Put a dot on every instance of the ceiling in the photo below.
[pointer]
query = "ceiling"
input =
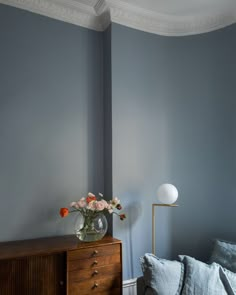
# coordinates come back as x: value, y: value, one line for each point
x: 163, y: 17
x: 183, y: 7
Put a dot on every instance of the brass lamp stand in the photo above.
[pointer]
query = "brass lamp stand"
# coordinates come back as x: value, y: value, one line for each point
x: 153, y: 223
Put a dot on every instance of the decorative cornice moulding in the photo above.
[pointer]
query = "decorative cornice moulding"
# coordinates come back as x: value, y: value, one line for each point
x: 168, y: 25
x: 77, y: 12
x: 98, y: 14
x: 100, y: 7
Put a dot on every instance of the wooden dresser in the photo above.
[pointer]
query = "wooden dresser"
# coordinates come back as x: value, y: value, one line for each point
x: 61, y: 265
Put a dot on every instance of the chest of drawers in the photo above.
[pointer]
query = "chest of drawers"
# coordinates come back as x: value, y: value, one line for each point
x: 94, y: 269
x: 61, y: 265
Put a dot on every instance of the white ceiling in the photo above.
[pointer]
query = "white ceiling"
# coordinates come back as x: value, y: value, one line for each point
x: 163, y: 17
x: 184, y: 7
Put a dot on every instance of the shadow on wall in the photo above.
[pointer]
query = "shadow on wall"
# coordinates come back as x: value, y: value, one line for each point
x: 126, y: 231
x: 136, y: 234
x: 136, y: 231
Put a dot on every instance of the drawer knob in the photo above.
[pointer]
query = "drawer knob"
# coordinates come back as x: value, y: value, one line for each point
x: 95, y: 262
x: 95, y: 252
x: 95, y: 272
x: 95, y: 285
x: 61, y: 283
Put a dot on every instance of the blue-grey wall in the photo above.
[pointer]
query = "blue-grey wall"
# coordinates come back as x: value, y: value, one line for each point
x: 172, y: 116
x: 51, y: 121
x: 121, y: 111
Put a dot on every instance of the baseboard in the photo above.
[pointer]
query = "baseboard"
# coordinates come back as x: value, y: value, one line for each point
x: 129, y: 287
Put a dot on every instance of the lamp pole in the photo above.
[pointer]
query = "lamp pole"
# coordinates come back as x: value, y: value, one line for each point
x: 153, y: 224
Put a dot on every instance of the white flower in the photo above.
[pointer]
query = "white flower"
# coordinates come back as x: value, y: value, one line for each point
x: 114, y: 202
x: 110, y: 208
x: 91, y: 195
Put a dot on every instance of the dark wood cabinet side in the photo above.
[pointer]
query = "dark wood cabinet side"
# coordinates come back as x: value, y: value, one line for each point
x: 33, y: 275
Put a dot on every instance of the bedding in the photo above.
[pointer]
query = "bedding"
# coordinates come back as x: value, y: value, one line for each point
x: 211, y: 279
x: 188, y: 276
x: 224, y: 253
x: 162, y: 276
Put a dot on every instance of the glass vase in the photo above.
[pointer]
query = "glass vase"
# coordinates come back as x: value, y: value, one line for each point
x: 90, y: 226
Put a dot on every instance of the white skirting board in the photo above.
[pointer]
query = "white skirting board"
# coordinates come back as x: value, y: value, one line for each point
x: 129, y: 287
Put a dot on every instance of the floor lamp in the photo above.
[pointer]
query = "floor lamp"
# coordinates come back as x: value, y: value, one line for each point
x: 167, y: 194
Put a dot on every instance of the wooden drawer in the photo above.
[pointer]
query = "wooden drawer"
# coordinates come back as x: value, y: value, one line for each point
x: 115, y: 291
x: 96, y: 273
x: 93, y: 252
x: 92, y: 263
x: 93, y: 286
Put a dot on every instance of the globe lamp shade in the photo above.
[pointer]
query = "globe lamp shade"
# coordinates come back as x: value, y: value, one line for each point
x: 167, y: 193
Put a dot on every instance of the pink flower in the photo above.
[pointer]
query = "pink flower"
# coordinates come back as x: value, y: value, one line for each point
x: 90, y: 205
x: 100, y: 205
x: 81, y: 203
x: 73, y: 204
x: 105, y: 203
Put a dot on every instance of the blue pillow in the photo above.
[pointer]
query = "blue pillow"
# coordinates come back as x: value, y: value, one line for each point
x: 224, y: 253
x: 164, y: 277
x: 202, y: 278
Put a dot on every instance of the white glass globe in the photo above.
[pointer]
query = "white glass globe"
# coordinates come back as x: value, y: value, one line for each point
x: 167, y: 193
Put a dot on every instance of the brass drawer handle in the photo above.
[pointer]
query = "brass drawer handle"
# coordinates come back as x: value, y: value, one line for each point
x: 95, y: 262
x: 95, y: 272
x: 95, y: 252
x: 95, y: 285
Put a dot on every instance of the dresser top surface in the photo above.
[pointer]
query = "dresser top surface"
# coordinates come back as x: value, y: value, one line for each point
x: 43, y: 246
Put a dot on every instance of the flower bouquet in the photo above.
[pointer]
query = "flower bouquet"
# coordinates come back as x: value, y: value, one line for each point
x: 91, y: 223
